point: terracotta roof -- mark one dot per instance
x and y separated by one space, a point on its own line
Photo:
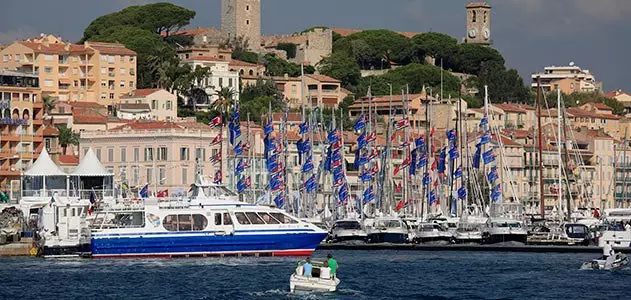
148 125
381 101
614 94
240 63
204 58
141 93
602 106
87 116
518 134
50 131
323 78
110 48
83 104
69 159
577 112
508 107
134 106
292 117
55 48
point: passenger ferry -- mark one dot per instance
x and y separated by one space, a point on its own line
199 225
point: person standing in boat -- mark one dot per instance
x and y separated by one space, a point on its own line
607 250
325 271
307 267
332 263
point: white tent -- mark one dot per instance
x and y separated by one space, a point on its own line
90 166
44 166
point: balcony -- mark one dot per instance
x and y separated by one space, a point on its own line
10 172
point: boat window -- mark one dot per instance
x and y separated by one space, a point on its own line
226 219
170 223
241 218
268 219
199 222
217 219
514 225
576 229
283 218
254 218
348 225
185 223
389 223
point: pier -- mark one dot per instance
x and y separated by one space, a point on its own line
457 247
21 248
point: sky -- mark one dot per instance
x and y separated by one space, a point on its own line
530 34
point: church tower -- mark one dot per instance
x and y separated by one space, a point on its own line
242 18
478 23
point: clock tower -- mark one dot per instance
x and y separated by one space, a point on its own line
478 23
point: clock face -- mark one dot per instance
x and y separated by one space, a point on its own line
487 34
472 33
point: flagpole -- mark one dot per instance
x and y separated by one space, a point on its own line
343 159
428 157
406 173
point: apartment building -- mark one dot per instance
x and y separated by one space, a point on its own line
21 126
220 76
155 104
162 154
568 79
93 71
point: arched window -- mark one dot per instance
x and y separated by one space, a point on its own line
16 114
7 114
251 72
485 12
26 115
473 16
241 72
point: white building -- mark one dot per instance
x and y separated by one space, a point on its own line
220 76
162 105
566 78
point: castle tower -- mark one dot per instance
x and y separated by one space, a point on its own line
478 23
242 18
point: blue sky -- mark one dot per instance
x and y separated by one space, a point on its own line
530 34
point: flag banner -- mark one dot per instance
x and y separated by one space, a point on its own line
360 123
420 143
458 172
279 201
333 136
366 176
488 156
462 192
476 156
492 176
485 138
216 121
216 158
432 197
372 137
426 179
401 124
304 127
243 184
361 141
144 192
496 194
216 140
308 165
484 122
269 128
412 170
238 148
422 161
453 153
451 135
441 161
311 184
217 178
368 194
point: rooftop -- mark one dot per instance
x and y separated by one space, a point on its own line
140 93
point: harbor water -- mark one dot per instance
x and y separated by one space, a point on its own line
378 274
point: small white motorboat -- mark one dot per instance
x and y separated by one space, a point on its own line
613 262
314 283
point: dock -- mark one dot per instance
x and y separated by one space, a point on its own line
21 248
457 247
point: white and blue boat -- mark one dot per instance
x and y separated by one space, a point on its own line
209 223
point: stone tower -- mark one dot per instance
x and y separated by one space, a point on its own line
242 18
478 23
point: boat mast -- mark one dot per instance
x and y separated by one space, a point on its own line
568 194
559 171
540 142
406 173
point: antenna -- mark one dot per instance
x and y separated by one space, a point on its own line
571 64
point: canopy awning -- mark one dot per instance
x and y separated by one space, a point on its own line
90 166
44 166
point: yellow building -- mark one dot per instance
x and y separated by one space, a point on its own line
100 72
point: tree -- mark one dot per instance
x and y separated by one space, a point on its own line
437 45
289 48
504 85
50 102
275 66
225 100
470 57
157 18
246 56
379 48
255 99
341 67
67 137
414 76
578 99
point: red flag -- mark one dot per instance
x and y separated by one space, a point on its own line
403 123
399 206
246 146
90 210
216 121
162 194
397 169
431 132
434 165
372 137
216 158
399 188
216 140
337 145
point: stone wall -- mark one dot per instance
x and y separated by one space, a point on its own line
242 18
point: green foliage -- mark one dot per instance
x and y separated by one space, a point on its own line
156 18
246 56
255 99
67 137
469 58
415 75
342 67
314 27
279 67
290 48
374 49
179 40
473 102
438 45
504 85
50 102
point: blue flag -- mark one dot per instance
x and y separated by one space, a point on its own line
238 148
458 172
343 194
492 176
484 122
426 179
276 182
279 200
422 161
333 137
308 166
338 174
420 143
304 127
451 135
368 194
476 156
239 168
412 169
360 123
432 197
485 138
488 156
144 192
361 141
311 184
268 127
453 153
462 192
242 184
441 161
366 176
496 194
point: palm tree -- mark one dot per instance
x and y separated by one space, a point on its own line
50 102
67 137
164 75
224 101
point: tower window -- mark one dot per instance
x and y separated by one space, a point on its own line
247 22
247 7
485 16
473 16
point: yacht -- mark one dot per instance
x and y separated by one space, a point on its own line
347 230
388 230
470 230
431 232
500 230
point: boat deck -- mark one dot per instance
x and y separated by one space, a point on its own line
459 247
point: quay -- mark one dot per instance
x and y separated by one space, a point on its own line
457 247
21 248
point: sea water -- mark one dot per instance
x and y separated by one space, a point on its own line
364 275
